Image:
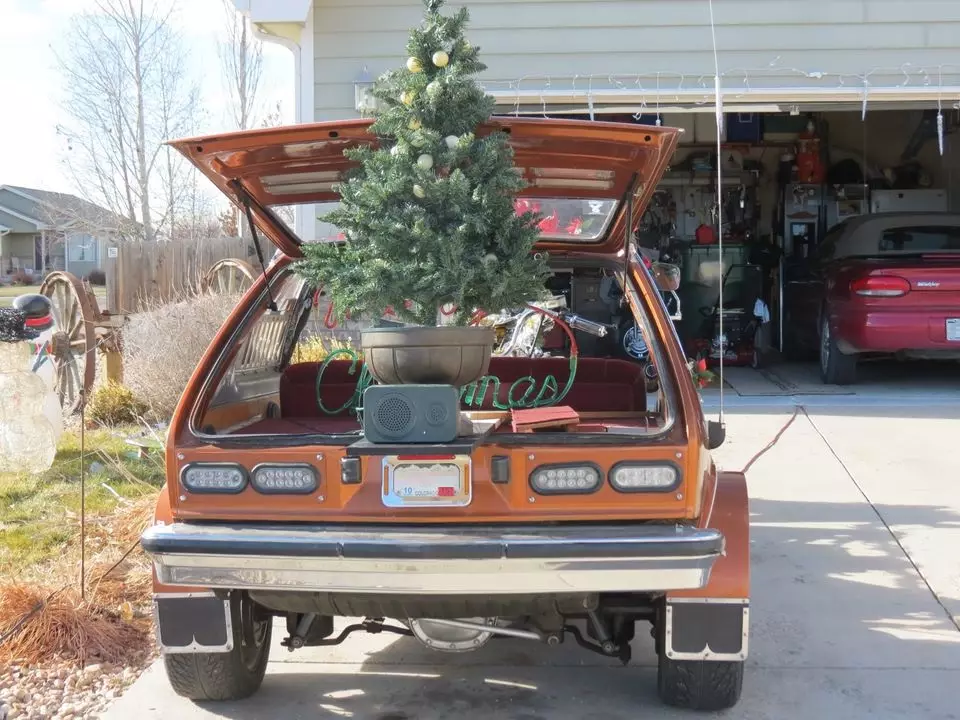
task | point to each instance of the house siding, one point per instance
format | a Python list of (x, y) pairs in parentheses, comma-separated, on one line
[(19, 204), (562, 44), (16, 224)]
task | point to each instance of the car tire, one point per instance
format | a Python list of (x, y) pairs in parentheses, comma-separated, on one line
[(233, 675), (835, 367), (699, 684)]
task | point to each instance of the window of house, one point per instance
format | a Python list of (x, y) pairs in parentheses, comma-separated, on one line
[(82, 249)]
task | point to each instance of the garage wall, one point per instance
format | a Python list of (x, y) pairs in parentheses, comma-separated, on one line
[(763, 43), (883, 135)]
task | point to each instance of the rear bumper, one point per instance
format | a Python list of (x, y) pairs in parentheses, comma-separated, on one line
[(431, 561), (889, 332)]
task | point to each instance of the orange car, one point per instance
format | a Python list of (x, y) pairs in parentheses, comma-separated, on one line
[(278, 506)]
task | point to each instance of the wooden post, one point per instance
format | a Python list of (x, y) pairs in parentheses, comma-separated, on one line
[(110, 265), (113, 364)]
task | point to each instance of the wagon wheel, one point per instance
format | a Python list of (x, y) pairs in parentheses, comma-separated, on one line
[(73, 341), (229, 276)]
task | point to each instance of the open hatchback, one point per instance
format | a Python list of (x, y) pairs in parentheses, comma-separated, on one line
[(578, 497)]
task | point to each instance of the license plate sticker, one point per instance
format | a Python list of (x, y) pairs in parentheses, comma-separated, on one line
[(953, 329), (426, 481)]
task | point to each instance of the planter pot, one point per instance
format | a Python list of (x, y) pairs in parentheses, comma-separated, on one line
[(454, 356)]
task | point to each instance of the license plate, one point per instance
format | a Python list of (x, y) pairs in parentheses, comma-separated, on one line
[(426, 481), (953, 330)]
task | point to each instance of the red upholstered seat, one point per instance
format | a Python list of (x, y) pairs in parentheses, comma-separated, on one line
[(600, 385)]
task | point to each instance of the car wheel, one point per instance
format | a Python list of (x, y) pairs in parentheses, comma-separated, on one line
[(696, 684), (835, 367), (231, 675)]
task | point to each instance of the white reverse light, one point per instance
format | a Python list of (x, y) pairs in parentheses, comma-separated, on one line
[(214, 478), (627, 477), (565, 479)]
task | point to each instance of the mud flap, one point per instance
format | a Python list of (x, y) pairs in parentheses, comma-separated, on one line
[(193, 623), (706, 629)]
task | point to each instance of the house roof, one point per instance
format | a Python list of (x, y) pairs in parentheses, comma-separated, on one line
[(45, 208)]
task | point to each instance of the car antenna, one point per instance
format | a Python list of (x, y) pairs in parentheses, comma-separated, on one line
[(271, 305), (718, 114)]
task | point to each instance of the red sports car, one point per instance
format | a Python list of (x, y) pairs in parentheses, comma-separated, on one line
[(884, 284)]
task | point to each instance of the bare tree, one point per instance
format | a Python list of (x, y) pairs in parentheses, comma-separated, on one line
[(241, 57), (127, 91)]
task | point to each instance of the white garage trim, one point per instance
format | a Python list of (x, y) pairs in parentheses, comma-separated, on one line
[(534, 100)]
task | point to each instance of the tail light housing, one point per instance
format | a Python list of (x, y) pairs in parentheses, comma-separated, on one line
[(880, 286)]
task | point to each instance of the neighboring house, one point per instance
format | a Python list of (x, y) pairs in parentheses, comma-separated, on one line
[(41, 231)]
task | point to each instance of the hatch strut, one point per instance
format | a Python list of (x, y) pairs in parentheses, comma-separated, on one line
[(271, 305), (627, 246)]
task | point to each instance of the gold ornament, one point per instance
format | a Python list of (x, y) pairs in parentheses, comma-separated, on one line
[(415, 124), (425, 162), (413, 65), (440, 58), (419, 191), (433, 89), (406, 97)]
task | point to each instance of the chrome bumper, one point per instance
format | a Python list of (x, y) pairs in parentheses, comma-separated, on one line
[(431, 561)]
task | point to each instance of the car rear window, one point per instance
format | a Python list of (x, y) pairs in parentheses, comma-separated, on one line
[(571, 219), (920, 239)]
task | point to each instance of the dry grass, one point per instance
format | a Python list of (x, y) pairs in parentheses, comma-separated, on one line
[(162, 344), (40, 551), (109, 624), (65, 626)]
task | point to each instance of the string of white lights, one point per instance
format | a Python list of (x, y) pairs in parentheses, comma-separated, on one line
[(695, 89)]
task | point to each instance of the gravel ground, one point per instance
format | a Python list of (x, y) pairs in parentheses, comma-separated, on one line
[(63, 691)]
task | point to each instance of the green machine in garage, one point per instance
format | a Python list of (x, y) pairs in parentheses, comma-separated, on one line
[(701, 274)]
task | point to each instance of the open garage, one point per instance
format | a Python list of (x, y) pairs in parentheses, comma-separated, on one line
[(783, 185)]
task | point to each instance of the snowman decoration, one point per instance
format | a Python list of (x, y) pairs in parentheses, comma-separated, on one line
[(30, 417)]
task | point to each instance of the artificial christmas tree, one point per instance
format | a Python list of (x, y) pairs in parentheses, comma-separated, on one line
[(428, 216)]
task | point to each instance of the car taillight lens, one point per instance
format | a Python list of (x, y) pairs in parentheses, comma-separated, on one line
[(644, 477), (880, 286), (285, 479), (565, 479), (214, 478)]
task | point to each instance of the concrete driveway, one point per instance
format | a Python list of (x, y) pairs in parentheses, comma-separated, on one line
[(856, 538)]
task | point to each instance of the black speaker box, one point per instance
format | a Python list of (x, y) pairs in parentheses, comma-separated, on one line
[(410, 413)]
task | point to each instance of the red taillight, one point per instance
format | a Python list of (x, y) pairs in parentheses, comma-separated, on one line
[(880, 286)]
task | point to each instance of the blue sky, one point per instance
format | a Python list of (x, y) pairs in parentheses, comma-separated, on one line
[(31, 153)]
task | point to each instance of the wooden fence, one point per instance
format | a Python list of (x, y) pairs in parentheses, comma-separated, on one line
[(140, 273)]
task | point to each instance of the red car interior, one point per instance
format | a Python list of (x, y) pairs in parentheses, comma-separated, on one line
[(600, 385)]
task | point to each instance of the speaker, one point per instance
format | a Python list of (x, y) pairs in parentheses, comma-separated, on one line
[(410, 413)]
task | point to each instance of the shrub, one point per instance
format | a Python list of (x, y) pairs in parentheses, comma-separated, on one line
[(97, 277), (317, 348), (114, 404), (21, 277), (162, 344)]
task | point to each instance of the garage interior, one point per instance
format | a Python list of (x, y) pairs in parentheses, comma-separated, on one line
[(787, 178)]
